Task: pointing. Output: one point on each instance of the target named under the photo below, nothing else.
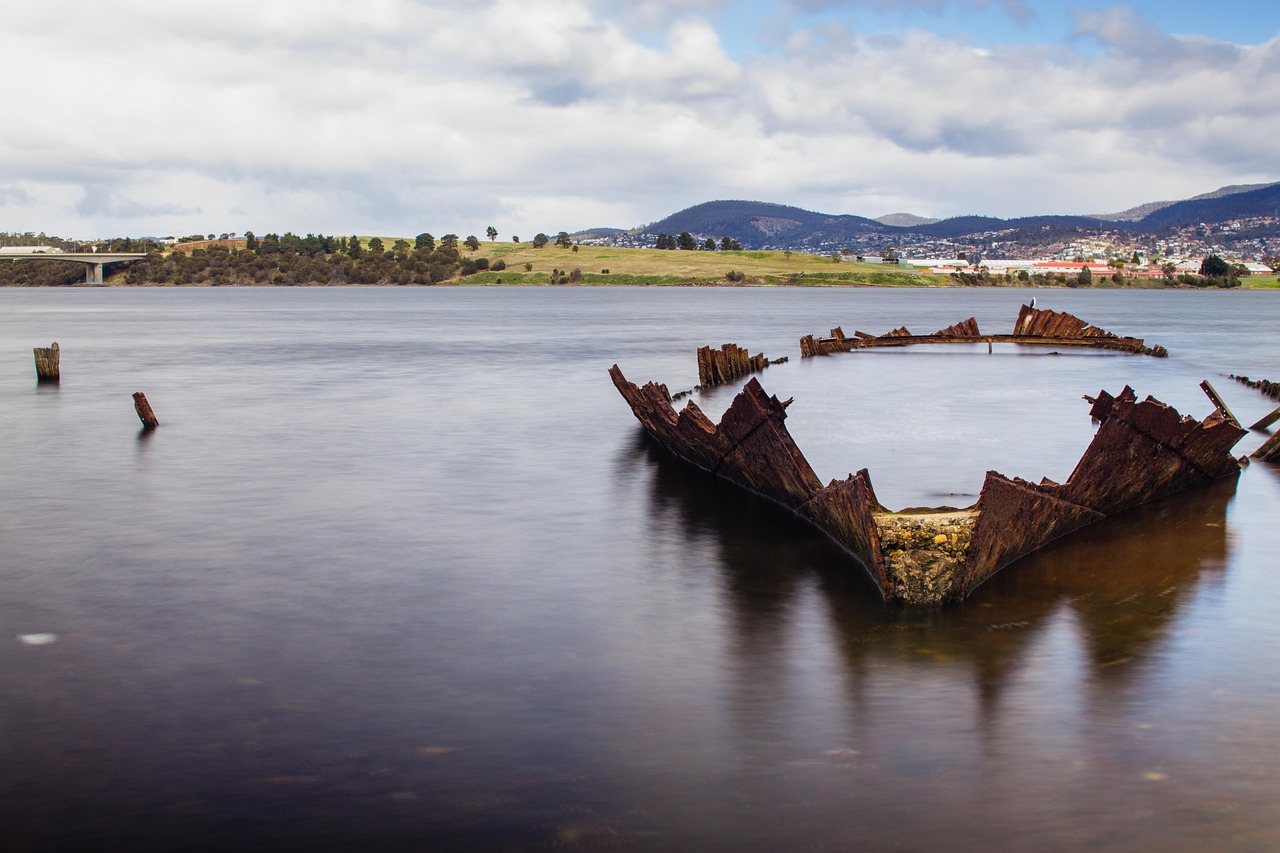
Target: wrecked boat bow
(1143, 450)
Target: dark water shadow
(1125, 579)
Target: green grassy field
(611, 265)
(1261, 282)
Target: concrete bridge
(93, 261)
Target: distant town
(1104, 254)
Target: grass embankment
(1261, 282)
(674, 267)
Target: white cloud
(399, 116)
(1015, 8)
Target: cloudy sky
(157, 117)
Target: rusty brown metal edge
(1143, 450)
(1033, 326)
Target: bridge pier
(95, 262)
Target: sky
(394, 117)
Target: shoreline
(1264, 285)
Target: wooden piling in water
(143, 408)
(47, 363)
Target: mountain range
(757, 225)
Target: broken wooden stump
(1033, 326)
(1143, 450)
(143, 409)
(47, 369)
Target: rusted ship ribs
(730, 362)
(1268, 388)
(1034, 326)
(1269, 451)
(1142, 451)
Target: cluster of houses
(947, 266)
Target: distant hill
(1264, 201)
(765, 225)
(1142, 211)
(596, 233)
(904, 220)
(756, 224)
(1135, 214)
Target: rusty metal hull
(1038, 327)
(1142, 451)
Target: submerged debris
(1270, 389)
(1033, 326)
(1143, 450)
(1270, 451)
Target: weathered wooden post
(143, 408)
(47, 363)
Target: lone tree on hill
(471, 242)
(492, 233)
(425, 242)
(540, 240)
(562, 239)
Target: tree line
(689, 243)
(272, 259)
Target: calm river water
(398, 571)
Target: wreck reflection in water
(1122, 580)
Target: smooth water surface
(399, 571)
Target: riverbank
(521, 264)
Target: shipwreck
(1143, 450)
(1038, 327)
